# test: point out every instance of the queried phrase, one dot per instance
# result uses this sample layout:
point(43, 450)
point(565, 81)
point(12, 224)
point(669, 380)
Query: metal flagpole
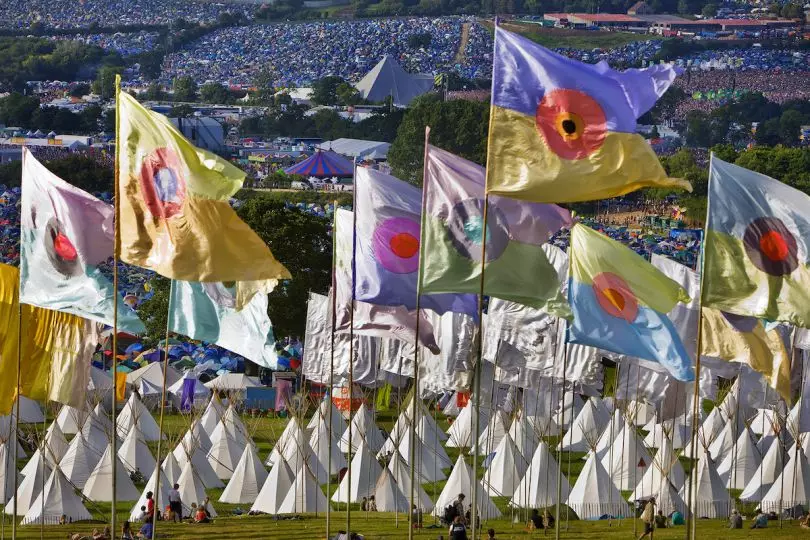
point(116, 255)
point(351, 360)
point(13, 437)
point(332, 366)
point(162, 408)
point(799, 433)
point(560, 425)
point(414, 413)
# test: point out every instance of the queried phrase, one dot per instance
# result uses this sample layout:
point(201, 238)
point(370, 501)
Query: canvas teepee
point(275, 489)
point(322, 447)
point(524, 435)
point(161, 496)
point(773, 462)
point(588, 425)
point(710, 497)
point(192, 490)
point(99, 487)
point(363, 429)
point(30, 487)
point(79, 461)
point(795, 489)
point(402, 476)
point(461, 481)
point(212, 415)
point(247, 479)
point(134, 453)
point(594, 493)
point(365, 471)
point(56, 500)
point(136, 414)
point(388, 495)
point(305, 495)
point(737, 467)
point(506, 469)
point(538, 488)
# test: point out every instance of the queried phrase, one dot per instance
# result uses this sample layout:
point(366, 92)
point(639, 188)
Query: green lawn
point(575, 39)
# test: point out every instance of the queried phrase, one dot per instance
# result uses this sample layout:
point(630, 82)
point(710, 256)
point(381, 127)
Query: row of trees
point(24, 111)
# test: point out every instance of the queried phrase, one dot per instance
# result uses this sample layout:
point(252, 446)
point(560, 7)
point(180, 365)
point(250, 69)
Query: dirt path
point(461, 55)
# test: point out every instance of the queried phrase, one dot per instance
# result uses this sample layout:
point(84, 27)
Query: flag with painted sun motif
point(620, 302)
point(65, 235)
point(756, 247)
point(174, 208)
point(388, 217)
point(516, 266)
point(565, 131)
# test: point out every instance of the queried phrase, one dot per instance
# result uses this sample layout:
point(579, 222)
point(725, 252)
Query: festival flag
point(565, 131)
point(208, 312)
point(737, 338)
point(684, 316)
point(756, 247)
point(65, 234)
point(57, 348)
point(120, 385)
point(620, 303)
point(517, 268)
point(174, 209)
point(387, 246)
point(369, 319)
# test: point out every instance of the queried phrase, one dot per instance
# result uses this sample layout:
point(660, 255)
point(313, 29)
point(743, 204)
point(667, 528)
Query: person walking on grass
point(648, 518)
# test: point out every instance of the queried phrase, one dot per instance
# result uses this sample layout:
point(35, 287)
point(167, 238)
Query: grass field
point(265, 431)
point(575, 39)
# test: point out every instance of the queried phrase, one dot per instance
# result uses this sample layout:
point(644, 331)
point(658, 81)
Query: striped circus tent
point(323, 164)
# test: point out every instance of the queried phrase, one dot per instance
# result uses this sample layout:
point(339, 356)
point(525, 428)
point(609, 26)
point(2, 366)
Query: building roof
point(605, 17)
point(668, 19)
point(736, 22)
point(323, 164)
point(357, 147)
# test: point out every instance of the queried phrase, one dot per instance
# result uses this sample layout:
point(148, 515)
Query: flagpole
point(332, 366)
point(162, 409)
point(412, 449)
point(560, 427)
point(13, 437)
point(116, 255)
point(798, 432)
point(351, 358)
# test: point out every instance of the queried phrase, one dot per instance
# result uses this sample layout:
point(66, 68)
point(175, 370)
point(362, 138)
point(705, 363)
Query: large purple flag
point(187, 397)
point(388, 214)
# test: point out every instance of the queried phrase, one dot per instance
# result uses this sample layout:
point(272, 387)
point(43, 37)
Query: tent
point(626, 460)
point(570, 406)
point(538, 488)
point(192, 490)
point(247, 479)
point(195, 437)
point(387, 494)
point(233, 426)
point(363, 429)
point(795, 489)
point(505, 470)
point(99, 487)
point(79, 461)
point(588, 425)
point(200, 393)
point(461, 481)
point(738, 465)
point(665, 469)
point(388, 79)
point(323, 164)
point(233, 384)
point(7, 468)
point(402, 476)
point(722, 444)
point(70, 419)
point(709, 496)
point(430, 462)
point(611, 431)
point(594, 493)
point(276, 487)
point(30, 487)
point(224, 455)
point(326, 451)
point(493, 433)
point(766, 474)
point(153, 375)
point(100, 385)
point(134, 453)
point(55, 446)
point(365, 471)
point(284, 442)
point(322, 416)
point(30, 411)
point(199, 460)
point(161, 496)
point(135, 414)
point(460, 433)
point(56, 500)
point(212, 415)
point(304, 496)
point(171, 468)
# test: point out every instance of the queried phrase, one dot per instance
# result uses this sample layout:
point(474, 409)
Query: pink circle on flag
point(396, 245)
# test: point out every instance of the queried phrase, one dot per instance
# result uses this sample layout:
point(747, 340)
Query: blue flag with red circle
point(620, 302)
point(756, 247)
point(565, 131)
point(387, 238)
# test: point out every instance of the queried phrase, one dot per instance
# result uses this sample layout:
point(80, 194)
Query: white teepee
point(136, 414)
point(365, 471)
point(55, 444)
point(171, 469)
point(6, 472)
point(363, 429)
point(70, 419)
point(224, 455)
point(627, 460)
point(766, 474)
point(322, 416)
point(79, 461)
point(201, 464)
point(461, 481)
point(195, 437)
point(609, 434)
point(402, 476)
point(594, 494)
point(30, 411)
point(493, 433)
point(737, 467)
point(538, 488)
point(99, 487)
point(305, 495)
point(30, 487)
point(460, 433)
point(56, 500)
point(212, 415)
point(247, 479)
point(665, 469)
point(387, 494)
point(722, 444)
point(276, 487)
point(709, 495)
point(430, 463)
point(795, 489)
point(321, 448)
point(524, 435)
point(588, 425)
point(192, 490)
point(135, 454)
point(285, 443)
point(506, 469)
point(161, 496)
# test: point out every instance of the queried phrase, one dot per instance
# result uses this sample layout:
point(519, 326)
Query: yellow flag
point(746, 340)
point(120, 386)
point(57, 349)
point(174, 213)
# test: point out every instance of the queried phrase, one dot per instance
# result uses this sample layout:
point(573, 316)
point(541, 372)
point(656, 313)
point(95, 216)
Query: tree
point(768, 132)
point(104, 85)
point(154, 311)
point(324, 91)
point(790, 124)
point(726, 152)
point(348, 94)
point(709, 10)
point(419, 41)
point(302, 242)
point(155, 93)
point(683, 7)
point(80, 90)
point(792, 11)
point(181, 111)
point(185, 89)
point(17, 109)
point(698, 129)
point(215, 93)
point(458, 126)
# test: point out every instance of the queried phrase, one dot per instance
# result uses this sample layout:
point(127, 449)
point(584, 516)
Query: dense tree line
point(23, 111)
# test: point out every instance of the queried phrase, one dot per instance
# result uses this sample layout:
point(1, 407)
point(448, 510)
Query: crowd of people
point(67, 14)
point(297, 54)
point(125, 44)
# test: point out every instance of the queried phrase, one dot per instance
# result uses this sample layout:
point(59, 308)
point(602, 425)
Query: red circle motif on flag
point(162, 183)
point(771, 246)
point(615, 296)
point(396, 245)
point(61, 252)
point(572, 123)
